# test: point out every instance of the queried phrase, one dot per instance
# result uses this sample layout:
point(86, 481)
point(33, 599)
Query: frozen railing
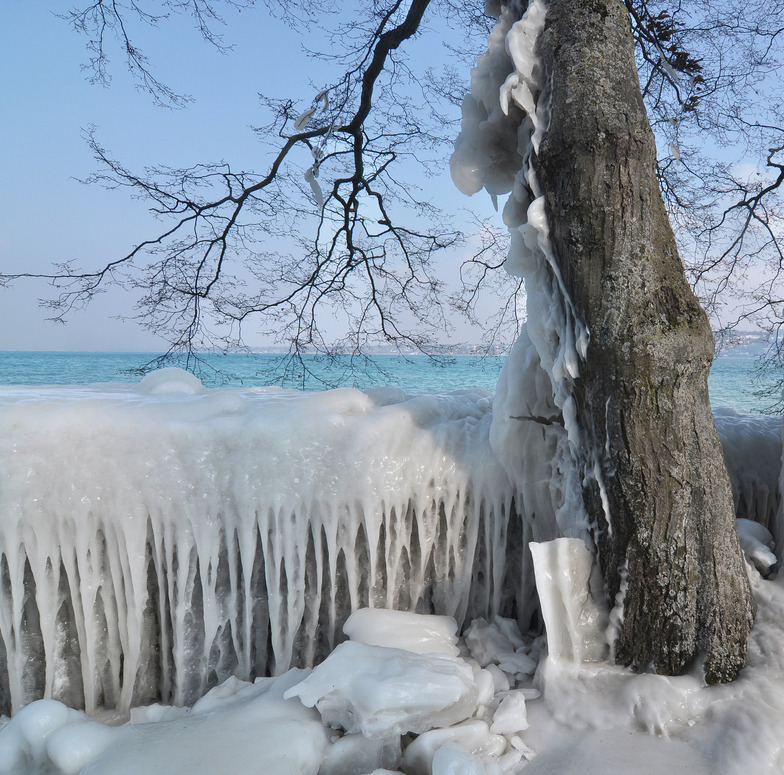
point(156, 540)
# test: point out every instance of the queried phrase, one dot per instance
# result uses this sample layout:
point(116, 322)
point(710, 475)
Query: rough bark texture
point(642, 396)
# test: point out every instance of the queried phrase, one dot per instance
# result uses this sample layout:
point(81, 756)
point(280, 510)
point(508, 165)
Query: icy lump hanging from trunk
point(534, 431)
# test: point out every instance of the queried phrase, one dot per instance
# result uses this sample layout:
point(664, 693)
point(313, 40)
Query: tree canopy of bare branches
point(333, 225)
point(711, 75)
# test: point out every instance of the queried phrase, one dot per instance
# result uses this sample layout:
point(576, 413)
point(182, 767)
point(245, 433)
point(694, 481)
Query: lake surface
point(734, 381)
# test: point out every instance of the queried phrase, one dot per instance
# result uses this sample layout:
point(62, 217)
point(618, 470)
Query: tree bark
point(642, 394)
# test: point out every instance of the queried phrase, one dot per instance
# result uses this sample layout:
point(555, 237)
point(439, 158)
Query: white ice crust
point(129, 508)
point(226, 520)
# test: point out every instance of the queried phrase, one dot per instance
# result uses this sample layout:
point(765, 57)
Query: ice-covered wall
point(752, 451)
point(155, 540)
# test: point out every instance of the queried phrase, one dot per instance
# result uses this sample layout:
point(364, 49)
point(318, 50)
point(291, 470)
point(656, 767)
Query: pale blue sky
point(47, 216)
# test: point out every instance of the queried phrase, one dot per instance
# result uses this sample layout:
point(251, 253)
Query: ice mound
point(214, 533)
point(204, 534)
point(170, 380)
point(390, 709)
point(458, 749)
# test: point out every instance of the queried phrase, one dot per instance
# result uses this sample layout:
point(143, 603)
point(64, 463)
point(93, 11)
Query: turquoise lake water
point(733, 380)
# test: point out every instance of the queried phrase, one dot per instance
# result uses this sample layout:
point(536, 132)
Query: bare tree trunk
point(642, 395)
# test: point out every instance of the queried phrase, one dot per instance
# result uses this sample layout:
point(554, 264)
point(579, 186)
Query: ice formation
point(535, 431)
point(570, 593)
point(370, 696)
point(158, 539)
point(363, 688)
point(165, 543)
point(752, 450)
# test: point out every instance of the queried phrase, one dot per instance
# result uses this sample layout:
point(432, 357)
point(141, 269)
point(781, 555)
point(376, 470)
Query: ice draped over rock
point(156, 540)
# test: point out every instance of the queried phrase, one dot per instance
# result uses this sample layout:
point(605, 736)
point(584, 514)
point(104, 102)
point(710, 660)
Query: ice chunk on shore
point(511, 716)
point(222, 736)
point(357, 755)
point(472, 736)
point(382, 692)
point(170, 380)
point(757, 544)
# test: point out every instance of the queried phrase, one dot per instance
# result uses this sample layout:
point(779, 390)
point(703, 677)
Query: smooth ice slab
point(382, 692)
point(403, 630)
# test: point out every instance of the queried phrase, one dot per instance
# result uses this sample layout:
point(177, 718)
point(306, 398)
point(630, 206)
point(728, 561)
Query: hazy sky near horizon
point(47, 216)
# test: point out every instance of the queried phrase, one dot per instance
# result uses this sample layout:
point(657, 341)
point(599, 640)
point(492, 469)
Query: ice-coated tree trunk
point(642, 394)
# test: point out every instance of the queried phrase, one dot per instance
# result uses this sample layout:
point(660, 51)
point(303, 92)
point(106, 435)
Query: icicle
point(310, 177)
point(304, 119)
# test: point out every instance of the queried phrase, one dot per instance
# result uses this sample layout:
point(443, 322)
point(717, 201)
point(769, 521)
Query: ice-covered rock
point(757, 544)
point(200, 534)
point(472, 736)
point(455, 760)
point(222, 736)
point(510, 717)
point(358, 755)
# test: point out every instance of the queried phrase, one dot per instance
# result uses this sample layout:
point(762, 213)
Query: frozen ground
point(414, 705)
